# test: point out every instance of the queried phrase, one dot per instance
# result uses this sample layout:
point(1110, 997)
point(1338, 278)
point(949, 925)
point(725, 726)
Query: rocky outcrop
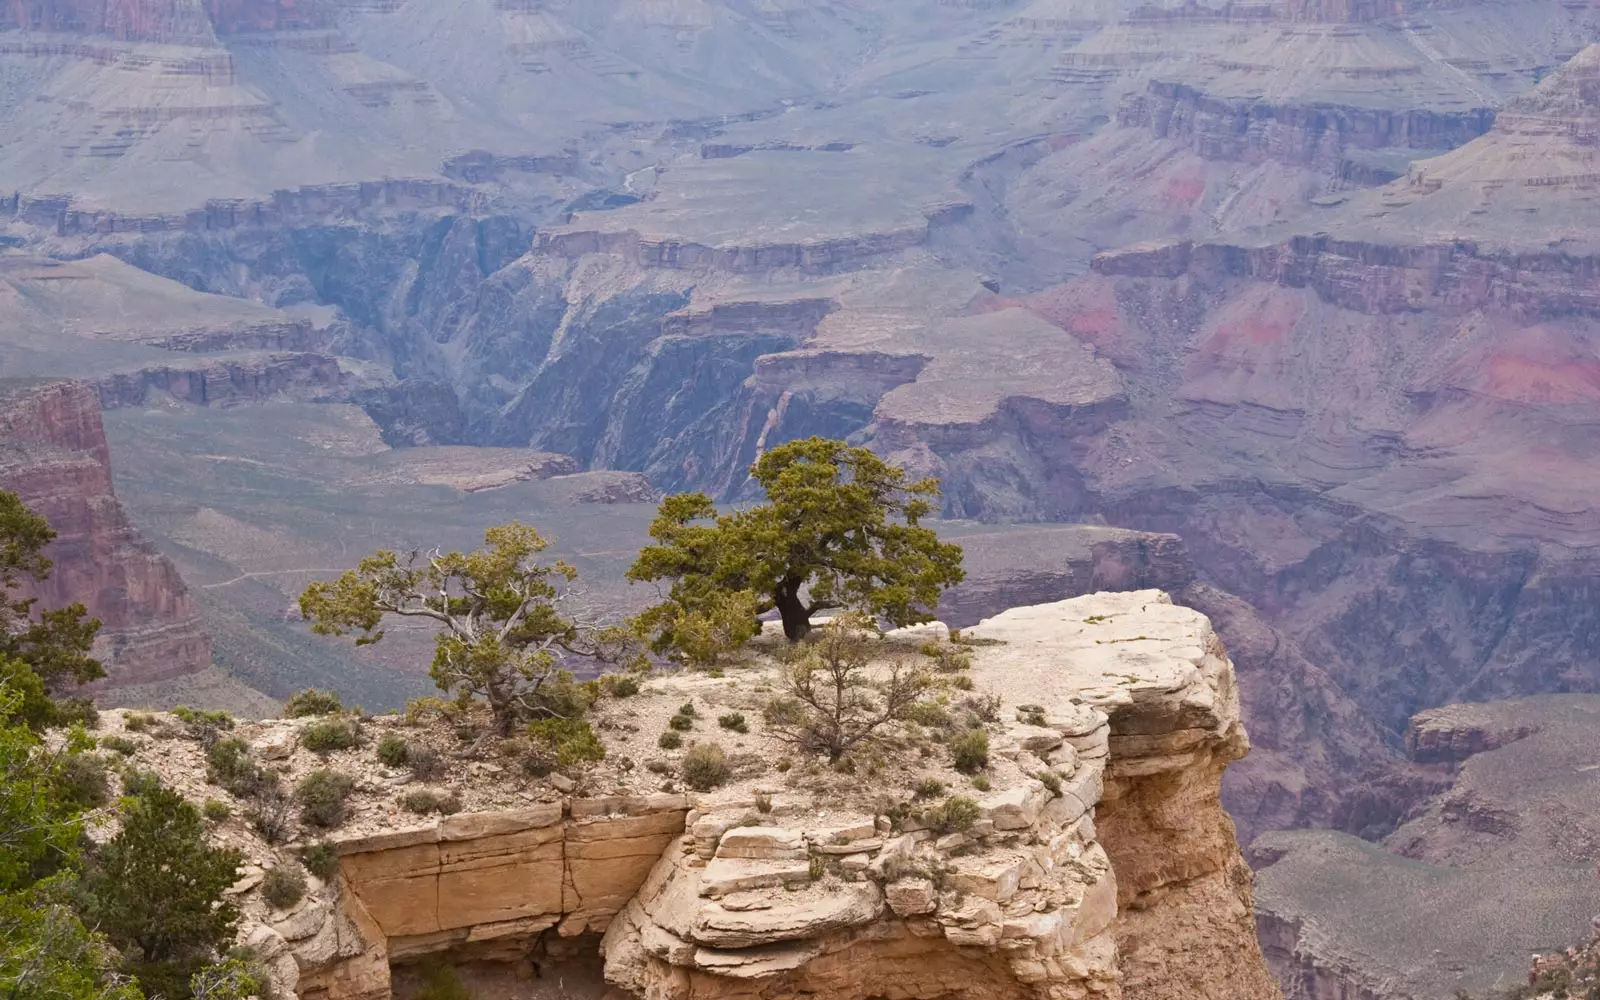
point(229, 381)
point(53, 454)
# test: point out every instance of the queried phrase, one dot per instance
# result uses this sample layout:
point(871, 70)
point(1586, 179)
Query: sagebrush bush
point(393, 750)
point(322, 795)
point(230, 764)
point(733, 721)
point(1051, 781)
point(312, 702)
point(82, 780)
point(954, 815)
point(138, 722)
point(283, 886)
point(554, 744)
point(682, 723)
point(1033, 715)
point(119, 745)
point(928, 788)
point(328, 735)
point(424, 761)
point(704, 767)
point(969, 751)
point(670, 740)
point(272, 811)
point(619, 685)
point(215, 810)
point(321, 859)
point(428, 800)
point(981, 782)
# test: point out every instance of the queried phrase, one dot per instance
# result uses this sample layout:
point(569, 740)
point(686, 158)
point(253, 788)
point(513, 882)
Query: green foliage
point(42, 652)
point(234, 978)
point(816, 866)
point(81, 780)
point(502, 637)
point(327, 735)
point(312, 702)
point(156, 891)
point(442, 982)
point(834, 703)
point(841, 528)
point(688, 709)
point(954, 815)
point(969, 751)
point(682, 723)
point(427, 800)
point(670, 740)
point(321, 860)
point(198, 718)
point(322, 795)
point(704, 767)
point(980, 782)
point(1032, 715)
point(424, 761)
point(619, 685)
point(137, 782)
point(138, 722)
point(928, 788)
point(946, 658)
point(706, 633)
point(283, 887)
point(230, 764)
point(563, 743)
point(215, 810)
point(47, 953)
point(393, 750)
point(928, 713)
point(119, 745)
point(734, 721)
point(1051, 782)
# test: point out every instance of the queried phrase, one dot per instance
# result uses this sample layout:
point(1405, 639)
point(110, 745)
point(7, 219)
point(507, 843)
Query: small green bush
point(392, 750)
point(734, 721)
point(670, 740)
point(230, 765)
point(985, 706)
point(981, 782)
point(961, 682)
point(763, 803)
point(442, 982)
point(206, 727)
point(705, 767)
point(119, 745)
point(137, 782)
point(322, 796)
point(928, 788)
point(659, 766)
point(76, 712)
point(215, 810)
point(328, 735)
point(427, 800)
point(969, 751)
point(687, 708)
point(312, 702)
point(138, 722)
point(1033, 715)
point(283, 887)
point(816, 866)
point(928, 713)
point(620, 685)
point(1051, 781)
point(321, 859)
point(81, 780)
point(554, 744)
point(682, 723)
point(425, 762)
point(953, 815)
point(272, 811)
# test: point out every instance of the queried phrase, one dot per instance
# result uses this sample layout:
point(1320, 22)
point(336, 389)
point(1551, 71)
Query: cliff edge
point(1091, 856)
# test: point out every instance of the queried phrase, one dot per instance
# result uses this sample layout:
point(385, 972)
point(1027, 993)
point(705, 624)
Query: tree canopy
point(503, 635)
point(841, 528)
point(42, 651)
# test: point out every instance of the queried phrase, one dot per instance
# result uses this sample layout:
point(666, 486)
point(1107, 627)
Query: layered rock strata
point(1098, 863)
point(53, 454)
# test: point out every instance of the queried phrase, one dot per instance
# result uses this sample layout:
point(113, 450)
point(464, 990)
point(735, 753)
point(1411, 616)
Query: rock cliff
point(1115, 874)
point(53, 454)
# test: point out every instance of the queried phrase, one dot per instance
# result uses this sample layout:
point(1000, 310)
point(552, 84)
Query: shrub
point(427, 800)
point(619, 685)
point(833, 702)
point(230, 765)
point(953, 815)
point(985, 706)
point(138, 722)
point(763, 803)
point(234, 978)
point(961, 682)
point(783, 765)
point(682, 723)
point(323, 738)
point(420, 710)
point(928, 788)
point(215, 810)
point(321, 859)
point(272, 811)
point(76, 712)
point(137, 782)
point(816, 866)
point(561, 743)
point(441, 982)
point(1032, 715)
point(322, 795)
point(312, 702)
point(659, 766)
point(946, 659)
point(928, 713)
point(704, 767)
point(1051, 781)
point(392, 750)
point(119, 745)
point(283, 887)
point(734, 721)
point(687, 708)
point(206, 727)
point(981, 782)
point(425, 762)
point(670, 740)
point(969, 751)
point(82, 781)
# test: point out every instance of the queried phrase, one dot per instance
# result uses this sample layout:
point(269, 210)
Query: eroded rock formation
point(53, 455)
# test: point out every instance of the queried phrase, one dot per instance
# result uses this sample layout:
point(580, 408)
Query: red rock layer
point(53, 454)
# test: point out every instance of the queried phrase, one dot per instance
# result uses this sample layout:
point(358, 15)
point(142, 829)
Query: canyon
point(1286, 308)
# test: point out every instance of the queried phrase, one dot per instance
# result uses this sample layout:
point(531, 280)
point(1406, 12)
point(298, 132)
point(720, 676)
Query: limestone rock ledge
point(1100, 863)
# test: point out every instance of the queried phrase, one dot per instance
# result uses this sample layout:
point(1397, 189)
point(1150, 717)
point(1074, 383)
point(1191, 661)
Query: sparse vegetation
point(272, 812)
point(120, 745)
point(138, 722)
point(393, 750)
point(1051, 782)
point(81, 780)
point(763, 803)
point(283, 887)
point(670, 740)
point(954, 815)
point(322, 795)
point(328, 735)
point(704, 767)
point(928, 788)
point(733, 721)
point(215, 810)
point(834, 703)
point(1032, 715)
point(442, 982)
point(312, 702)
point(321, 860)
point(230, 764)
point(980, 782)
point(969, 751)
point(561, 743)
point(428, 800)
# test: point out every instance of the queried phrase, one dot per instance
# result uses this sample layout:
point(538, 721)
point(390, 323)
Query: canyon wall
point(53, 454)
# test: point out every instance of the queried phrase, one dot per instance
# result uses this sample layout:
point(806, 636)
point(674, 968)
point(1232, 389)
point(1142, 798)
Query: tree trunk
point(796, 617)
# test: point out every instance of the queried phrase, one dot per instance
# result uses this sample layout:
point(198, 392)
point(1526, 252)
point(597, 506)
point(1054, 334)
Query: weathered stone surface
point(911, 897)
point(791, 917)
